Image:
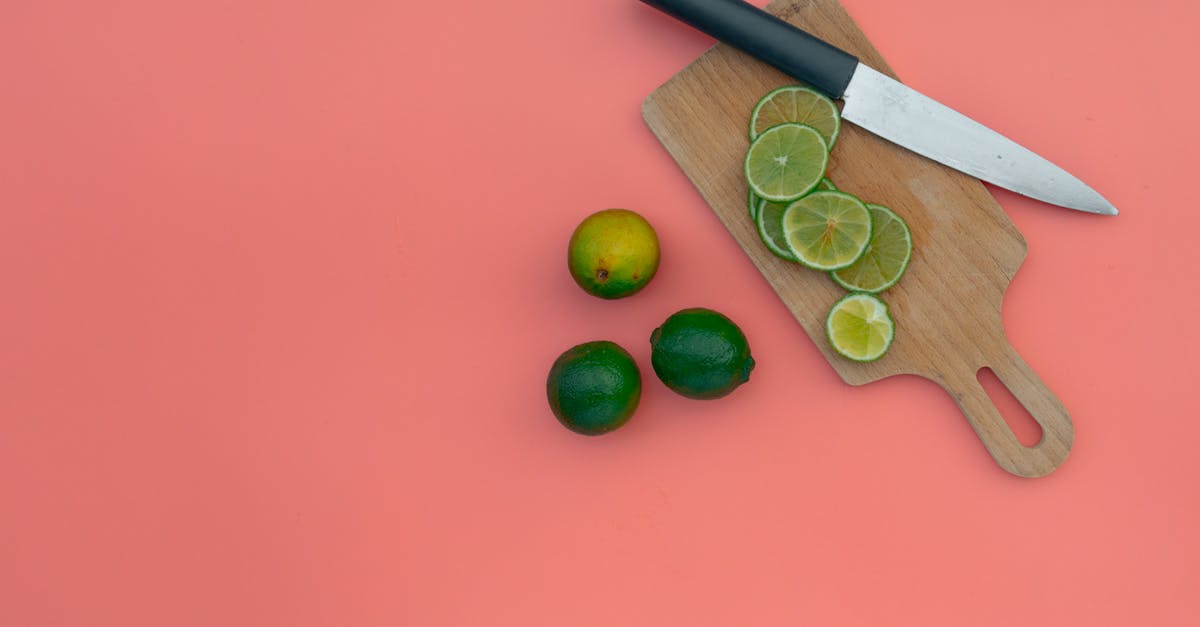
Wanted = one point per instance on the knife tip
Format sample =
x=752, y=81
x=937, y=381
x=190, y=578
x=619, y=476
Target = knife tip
x=1093, y=202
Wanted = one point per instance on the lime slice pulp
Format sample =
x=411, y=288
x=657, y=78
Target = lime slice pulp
x=827, y=230
x=786, y=162
x=860, y=328
x=796, y=104
x=886, y=257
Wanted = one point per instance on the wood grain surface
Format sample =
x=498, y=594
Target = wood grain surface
x=966, y=250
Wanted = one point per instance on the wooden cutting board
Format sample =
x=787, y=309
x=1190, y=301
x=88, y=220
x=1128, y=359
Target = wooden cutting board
x=946, y=307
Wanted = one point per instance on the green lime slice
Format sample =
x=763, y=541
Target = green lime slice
x=769, y=219
x=860, y=328
x=800, y=105
x=752, y=205
x=827, y=230
x=786, y=162
x=886, y=257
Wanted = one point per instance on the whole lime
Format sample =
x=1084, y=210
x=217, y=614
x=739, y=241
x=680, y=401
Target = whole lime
x=700, y=354
x=594, y=387
x=613, y=253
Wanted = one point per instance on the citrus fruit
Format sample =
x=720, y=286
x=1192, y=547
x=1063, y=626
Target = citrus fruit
x=594, y=387
x=827, y=230
x=768, y=217
x=860, y=328
x=613, y=253
x=786, y=162
x=798, y=104
x=769, y=220
x=886, y=257
x=752, y=204
x=700, y=354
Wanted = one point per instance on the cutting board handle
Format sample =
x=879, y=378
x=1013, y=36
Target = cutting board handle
x=1058, y=432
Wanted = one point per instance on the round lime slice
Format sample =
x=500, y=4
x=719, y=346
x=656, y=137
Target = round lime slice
x=786, y=162
x=827, y=230
x=886, y=257
x=860, y=328
x=800, y=105
x=769, y=219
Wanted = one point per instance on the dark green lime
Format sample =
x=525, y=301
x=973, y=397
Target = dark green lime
x=593, y=388
x=700, y=354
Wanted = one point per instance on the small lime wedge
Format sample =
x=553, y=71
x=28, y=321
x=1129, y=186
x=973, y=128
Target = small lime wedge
x=886, y=257
x=860, y=328
x=827, y=230
x=786, y=162
x=800, y=105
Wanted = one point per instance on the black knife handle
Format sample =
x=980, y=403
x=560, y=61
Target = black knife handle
x=770, y=39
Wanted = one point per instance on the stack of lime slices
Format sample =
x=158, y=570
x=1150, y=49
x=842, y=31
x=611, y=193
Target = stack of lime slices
x=803, y=217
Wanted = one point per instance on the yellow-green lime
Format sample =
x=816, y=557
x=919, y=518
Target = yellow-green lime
x=594, y=387
x=769, y=220
x=613, y=253
x=786, y=162
x=827, y=230
x=886, y=257
x=860, y=328
x=797, y=104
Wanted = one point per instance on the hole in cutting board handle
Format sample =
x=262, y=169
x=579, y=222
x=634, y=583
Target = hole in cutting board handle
x=1024, y=427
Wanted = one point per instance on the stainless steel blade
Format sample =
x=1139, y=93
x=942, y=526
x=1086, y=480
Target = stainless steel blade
x=900, y=114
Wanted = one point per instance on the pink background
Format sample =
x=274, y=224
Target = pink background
x=282, y=281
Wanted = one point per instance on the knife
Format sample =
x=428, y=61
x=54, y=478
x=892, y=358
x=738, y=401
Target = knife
x=887, y=107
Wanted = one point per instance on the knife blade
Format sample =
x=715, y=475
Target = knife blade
x=886, y=107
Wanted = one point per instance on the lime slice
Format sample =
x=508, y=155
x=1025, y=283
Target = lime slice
x=860, y=328
x=752, y=205
x=786, y=162
x=886, y=257
x=769, y=218
x=800, y=105
x=827, y=230
x=827, y=185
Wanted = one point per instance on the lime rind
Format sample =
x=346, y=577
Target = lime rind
x=752, y=204
x=786, y=162
x=799, y=104
x=827, y=185
x=860, y=328
x=827, y=230
x=867, y=274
